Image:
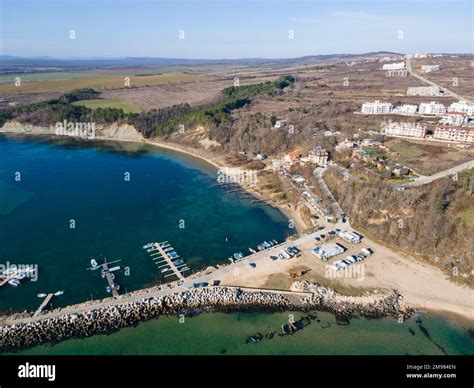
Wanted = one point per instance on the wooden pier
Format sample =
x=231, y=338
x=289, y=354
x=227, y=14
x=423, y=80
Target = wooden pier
x=159, y=256
x=46, y=301
x=111, y=282
x=114, y=288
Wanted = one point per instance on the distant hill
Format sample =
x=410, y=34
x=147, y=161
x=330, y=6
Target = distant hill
x=10, y=64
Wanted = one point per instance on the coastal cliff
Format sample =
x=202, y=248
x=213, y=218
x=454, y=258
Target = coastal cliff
x=120, y=132
x=55, y=327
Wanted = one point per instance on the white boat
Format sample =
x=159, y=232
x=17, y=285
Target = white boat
x=94, y=263
x=57, y=293
x=14, y=282
x=149, y=245
x=41, y=295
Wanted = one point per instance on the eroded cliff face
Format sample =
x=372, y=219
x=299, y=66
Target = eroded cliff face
x=121, y=132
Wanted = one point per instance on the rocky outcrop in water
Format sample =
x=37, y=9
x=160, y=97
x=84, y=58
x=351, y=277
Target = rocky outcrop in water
x=109, y=318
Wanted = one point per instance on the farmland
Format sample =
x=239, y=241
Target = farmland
x=96, y=82
x=109, y=103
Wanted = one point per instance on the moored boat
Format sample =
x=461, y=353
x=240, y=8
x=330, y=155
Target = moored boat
x=57, y=293
x=14, y=282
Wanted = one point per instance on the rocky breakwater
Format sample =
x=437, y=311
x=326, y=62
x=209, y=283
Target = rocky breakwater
x=105, y=318
x=371, y=304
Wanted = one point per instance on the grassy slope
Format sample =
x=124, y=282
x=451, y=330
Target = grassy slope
x=109, y=103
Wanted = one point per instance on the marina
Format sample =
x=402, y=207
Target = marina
x=163, y=254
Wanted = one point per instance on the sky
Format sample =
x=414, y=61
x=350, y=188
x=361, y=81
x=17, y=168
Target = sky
x=215, y=29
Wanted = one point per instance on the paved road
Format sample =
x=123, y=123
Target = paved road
x=451, y=171
x=336, y=208
x=422, y=180
x=423, y=79
x=184, y=285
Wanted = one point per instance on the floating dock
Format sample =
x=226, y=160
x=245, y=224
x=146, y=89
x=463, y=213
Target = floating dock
x=163, y=256
x=111, y=282
x=107, y=274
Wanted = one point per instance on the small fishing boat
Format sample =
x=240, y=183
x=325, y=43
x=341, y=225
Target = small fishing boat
x=14, y=282
x=152, y=249
x=165, y=270
x=58, y=293
x=149, y=245
x=103, y=273
x=275, y=242
x=178, y=262
x=42, y=295
x=231, y=259
x=94, y=263
x=108, y=289
x=252, y=250
x=257, y=337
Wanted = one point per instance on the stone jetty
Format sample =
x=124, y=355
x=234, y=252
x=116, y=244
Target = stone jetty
x=105, y=319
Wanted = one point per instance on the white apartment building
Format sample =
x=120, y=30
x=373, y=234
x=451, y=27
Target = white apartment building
x=431, y=108
x=376, y=108
x=456, y=119
x=429, y=68
x=462, y=106
x=405, y=109
x=394, y=66
x=424, y=91
x=405, y=130
x=455, y=134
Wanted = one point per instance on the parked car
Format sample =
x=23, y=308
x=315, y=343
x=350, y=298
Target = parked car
x=253, y=265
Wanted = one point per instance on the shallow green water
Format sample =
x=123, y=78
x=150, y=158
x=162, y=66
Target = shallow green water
x=219, y=333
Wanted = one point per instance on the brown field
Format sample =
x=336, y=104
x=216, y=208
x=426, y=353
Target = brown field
x=193, y=93
x=98, y=83
x=427, y=158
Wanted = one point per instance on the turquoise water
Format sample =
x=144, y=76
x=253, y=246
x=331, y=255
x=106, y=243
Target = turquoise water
x=219, y=333
x=69, y=180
